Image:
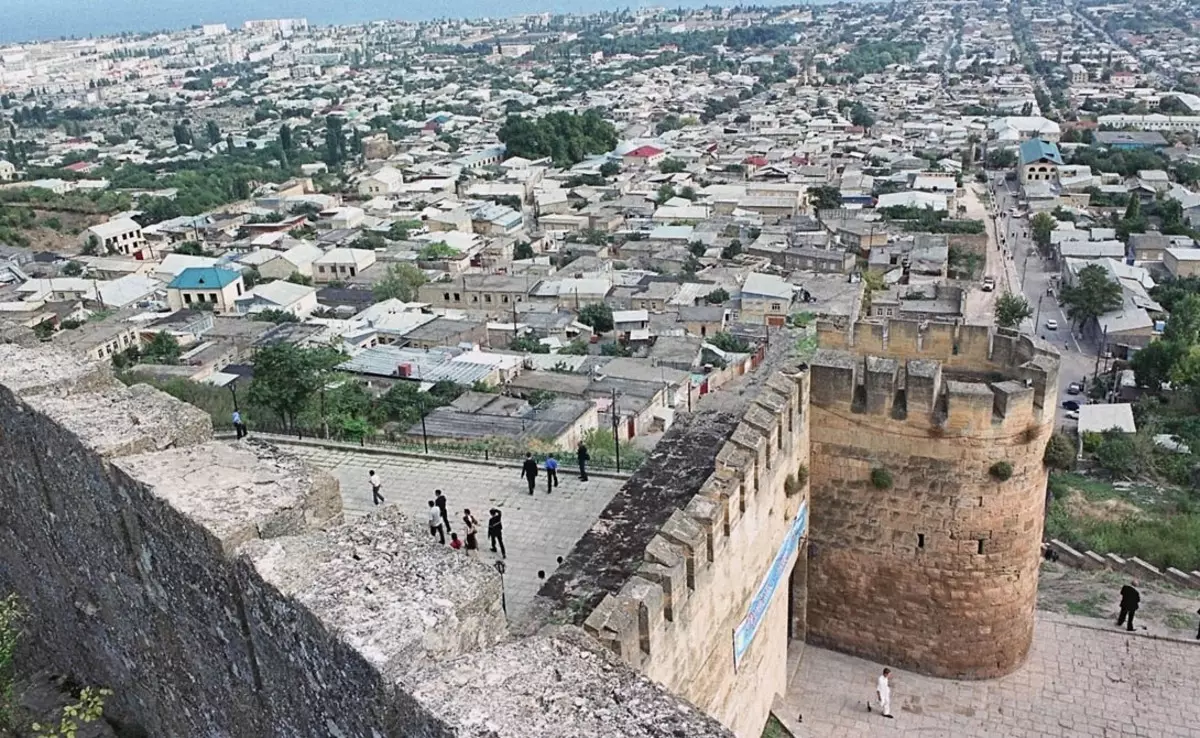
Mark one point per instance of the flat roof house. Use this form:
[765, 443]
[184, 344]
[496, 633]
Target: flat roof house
[118, 236]
[202, 287]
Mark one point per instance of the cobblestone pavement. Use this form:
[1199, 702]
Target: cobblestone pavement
[1079, 681]
[537, 529]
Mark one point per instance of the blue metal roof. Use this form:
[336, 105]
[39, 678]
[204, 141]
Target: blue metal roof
[1036, 149]
[203, 278]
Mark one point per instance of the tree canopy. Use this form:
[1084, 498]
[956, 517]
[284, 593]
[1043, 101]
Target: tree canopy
[598, 316]
[1011, 310]
[1092, 295]
[567, 138]
[399, 283]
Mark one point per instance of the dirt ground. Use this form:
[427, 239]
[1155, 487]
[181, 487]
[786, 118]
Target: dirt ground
[1094, 596]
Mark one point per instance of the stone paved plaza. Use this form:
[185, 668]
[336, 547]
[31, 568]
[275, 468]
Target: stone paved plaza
[536, 529]
[1079, 680]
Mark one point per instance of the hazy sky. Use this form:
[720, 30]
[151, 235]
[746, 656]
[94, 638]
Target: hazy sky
[23, 20]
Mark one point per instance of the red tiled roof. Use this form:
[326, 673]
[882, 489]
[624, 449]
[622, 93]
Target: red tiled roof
[644, 152]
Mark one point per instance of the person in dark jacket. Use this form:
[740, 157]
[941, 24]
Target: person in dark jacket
[529, 470]
[584, 457]
[496, 532]
[1130, 599]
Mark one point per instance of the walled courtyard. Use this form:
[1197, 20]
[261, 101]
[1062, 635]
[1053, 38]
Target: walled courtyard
[537, 529]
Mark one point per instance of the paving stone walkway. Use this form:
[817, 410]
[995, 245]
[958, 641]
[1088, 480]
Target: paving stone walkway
[1079, 681]
[537, 529]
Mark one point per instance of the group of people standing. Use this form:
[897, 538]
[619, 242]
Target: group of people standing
[439, 521]
[529, 469]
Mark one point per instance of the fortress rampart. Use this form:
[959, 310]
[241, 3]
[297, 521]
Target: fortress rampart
[923, 553]
[215, 588]
[669, 572]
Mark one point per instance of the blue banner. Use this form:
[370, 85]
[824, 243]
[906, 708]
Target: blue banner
[744, 633]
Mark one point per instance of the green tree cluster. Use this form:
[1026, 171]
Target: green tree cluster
[567, 138]
[400, 282]
[1093, 294]
[1011, 310]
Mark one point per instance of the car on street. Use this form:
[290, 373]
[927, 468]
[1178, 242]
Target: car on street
[1071, 405]
[1074, 388]
[1051, 324]
[1072, 416]
[989, 284]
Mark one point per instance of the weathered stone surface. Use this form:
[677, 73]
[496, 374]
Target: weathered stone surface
[554, 685]
[210, 588]
[396, 600]
[121, 421]
[240, 492]
[50, 371]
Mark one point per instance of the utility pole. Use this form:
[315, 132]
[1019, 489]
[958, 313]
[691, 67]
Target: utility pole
[1103, 343]
[615, 422]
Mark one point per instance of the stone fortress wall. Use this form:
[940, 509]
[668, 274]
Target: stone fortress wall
[215, 588]
[938, 573]
[670, 569]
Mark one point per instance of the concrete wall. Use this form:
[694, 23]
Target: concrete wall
[938, 573]
[675, 618]
[214, 588]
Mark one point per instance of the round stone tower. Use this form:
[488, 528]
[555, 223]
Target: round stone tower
[927, 495]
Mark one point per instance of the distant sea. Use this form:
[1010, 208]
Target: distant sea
[44, 20]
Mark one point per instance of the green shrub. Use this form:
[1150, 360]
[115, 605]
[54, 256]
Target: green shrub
[881, 478]
[1060, 453]
[1001, 471]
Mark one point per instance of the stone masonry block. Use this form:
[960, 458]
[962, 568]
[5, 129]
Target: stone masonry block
[689, 536]
[1070, 556]
[709, 516]
[969, 406]
[50, 371]
[662, 552]
[923, 384]
[122, 421]
[649, 600]
[1138, 567]
[1013, 399]
[880, 384]
[834, 375]
[240, 492]
[1097, 561]
[1182, 578]
[614, 624]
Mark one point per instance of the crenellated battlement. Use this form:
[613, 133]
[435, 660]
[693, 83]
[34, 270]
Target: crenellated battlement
[926, 394]
[955, 377]
[643, 620]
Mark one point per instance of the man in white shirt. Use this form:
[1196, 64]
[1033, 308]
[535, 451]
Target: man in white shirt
[435, 523]
[376, 484]
[883, 693]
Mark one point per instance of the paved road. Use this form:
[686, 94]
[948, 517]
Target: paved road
[1035, 276]
[537, 529]
[1079, 682]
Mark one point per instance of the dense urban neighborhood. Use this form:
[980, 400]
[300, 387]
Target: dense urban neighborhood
[560, 234]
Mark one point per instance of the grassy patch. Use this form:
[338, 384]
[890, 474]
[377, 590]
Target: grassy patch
[1089, 606]
[775, 729]
[1158, 524]
[1179, 619]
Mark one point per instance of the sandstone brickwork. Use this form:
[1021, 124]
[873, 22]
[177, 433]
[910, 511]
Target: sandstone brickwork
[667, 596]
[216, 590]
[938, 572]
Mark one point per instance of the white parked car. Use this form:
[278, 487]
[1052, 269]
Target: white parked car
[1052, 324]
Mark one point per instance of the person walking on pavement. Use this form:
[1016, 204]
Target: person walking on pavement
[238, 425]
[496, 532]
[439, 499]
[551, 473]
[529, 470]
[584, 457]
[435, 523]
[883, 693]
[472, 526]
[376, 485]
[1130, 599]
